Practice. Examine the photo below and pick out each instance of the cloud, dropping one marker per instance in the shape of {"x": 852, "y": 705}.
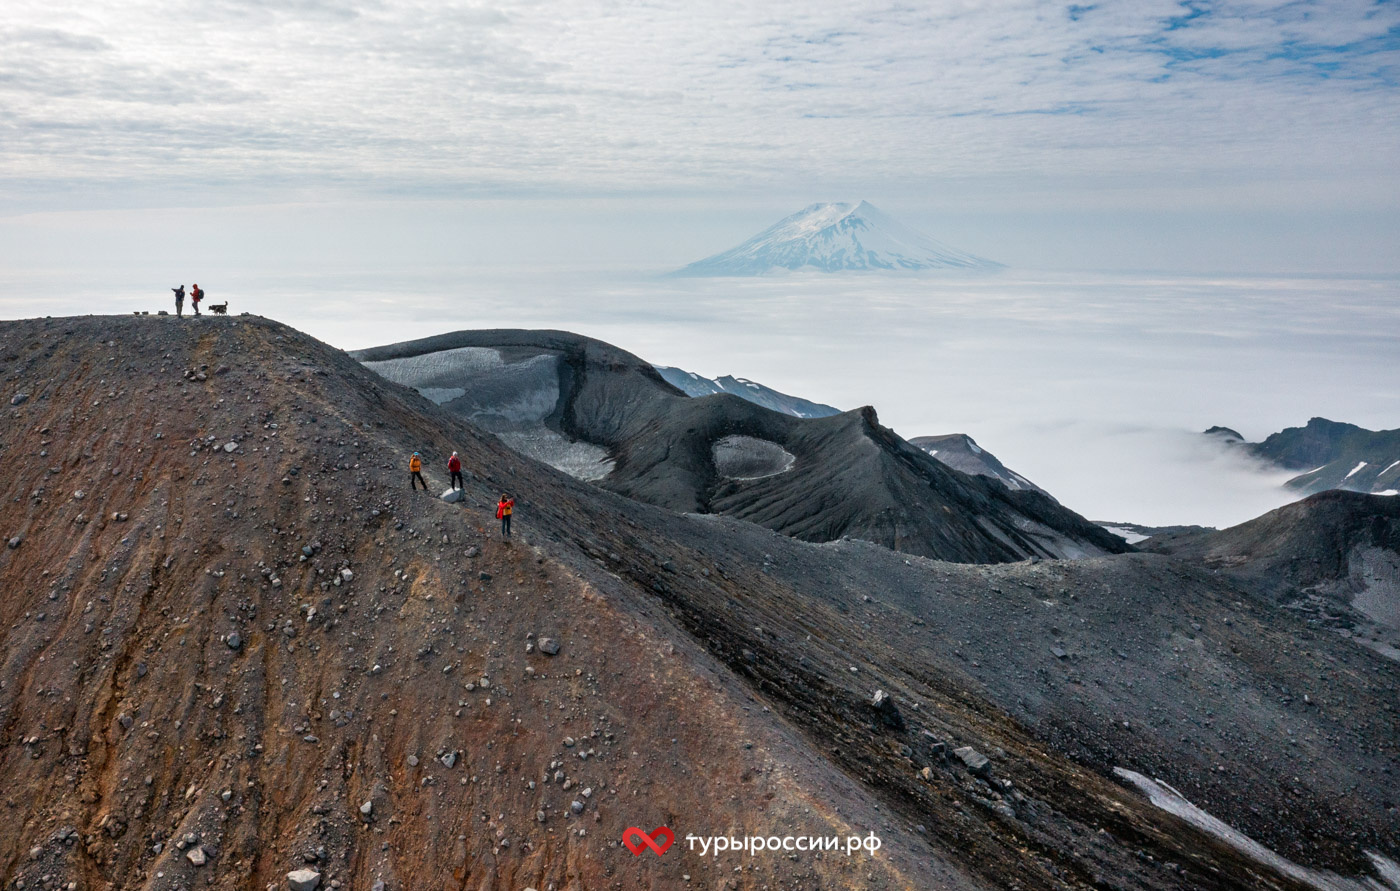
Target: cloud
{"x": 405, "y": 95}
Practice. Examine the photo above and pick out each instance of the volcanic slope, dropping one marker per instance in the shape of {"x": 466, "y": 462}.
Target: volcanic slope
{"x": 1334, "y": 556}
{"x": 403, "y": 725}
{"x": 815, "y": 479}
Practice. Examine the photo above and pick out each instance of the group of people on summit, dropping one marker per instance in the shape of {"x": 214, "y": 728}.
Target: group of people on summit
{"x": 196, "y": 295}
{"x": 504, "y": 508}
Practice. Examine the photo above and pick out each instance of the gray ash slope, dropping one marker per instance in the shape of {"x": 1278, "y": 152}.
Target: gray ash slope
{"x": 830, "y": 478}
{"x": 761, "y": 654}
{"x": 960, "y": 452}
{"x": 1334, "y": 557}
{"x": 1330, "y": 454}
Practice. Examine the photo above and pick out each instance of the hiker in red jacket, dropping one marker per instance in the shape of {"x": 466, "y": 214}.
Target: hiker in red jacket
{"x": 454, "y": 467}
{"x": 196, "y": 295}
{"x": 504, "y": 507}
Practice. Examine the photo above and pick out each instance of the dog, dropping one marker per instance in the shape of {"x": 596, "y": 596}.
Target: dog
{"x": 220, "y": 308}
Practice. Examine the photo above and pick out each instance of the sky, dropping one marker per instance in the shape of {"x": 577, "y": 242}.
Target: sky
{"x": 1215, "y": 136}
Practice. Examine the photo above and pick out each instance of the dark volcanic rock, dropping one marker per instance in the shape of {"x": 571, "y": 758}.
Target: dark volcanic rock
{"x": 842, "y": 476}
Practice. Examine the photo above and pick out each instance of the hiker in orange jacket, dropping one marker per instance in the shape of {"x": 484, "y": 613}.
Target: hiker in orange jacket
{"x": 504, "y": 507}
{"x": 415, "y": 470}
{"x": 454, "y": 467}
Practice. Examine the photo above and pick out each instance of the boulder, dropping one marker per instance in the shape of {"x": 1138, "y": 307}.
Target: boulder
{"x": 974, "y": 760}
{"x": 549, "y": 646}
{"x": 883, "y": 704}
{"x": 304, "y": 880}
{"x": 452, "y": 496}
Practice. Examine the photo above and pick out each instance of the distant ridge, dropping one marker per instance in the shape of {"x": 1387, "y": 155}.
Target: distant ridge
{"x": 692, "y": 384}
{"x": 837, "y": 237}
{"x": 1331, "y": 454}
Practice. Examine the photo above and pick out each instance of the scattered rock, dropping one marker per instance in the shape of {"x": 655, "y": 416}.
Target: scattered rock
{"x": 449, "y": 760}
{"x": 196, "y": 855}
{"x": 549, "y": 646}
{"x": 974, "y": 760}
{"x": 230, "y": 446}
{"x": 883, "y": 703}
{"x": 1058, "y": 653}
{"x": 304, "y": 880}
{"x": 15, "y": 542}
{"x": 367, "y": 809}
{"x": 234, "y": 640}
{"x": 576, "y": 806}
{"x": 19, "y": 398}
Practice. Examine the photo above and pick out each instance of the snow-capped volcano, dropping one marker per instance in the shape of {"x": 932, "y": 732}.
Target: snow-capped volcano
{"x": 837, "y": 237}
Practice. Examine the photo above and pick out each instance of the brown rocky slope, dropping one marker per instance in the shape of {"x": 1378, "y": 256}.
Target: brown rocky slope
{"x": 178, "y": 684}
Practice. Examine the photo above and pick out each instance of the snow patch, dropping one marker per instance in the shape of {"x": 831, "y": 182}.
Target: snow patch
{"x": 581, "y": 460}
{"x": 442, "y": 394}
{"x": 1354, "y": 470}
{"x": 1173, "y": 802}
{"x": 1127, "y": 535}
{"x": 750, "y": 458}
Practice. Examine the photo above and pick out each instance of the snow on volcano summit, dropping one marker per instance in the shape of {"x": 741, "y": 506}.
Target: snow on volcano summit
{"x": 837, "y": 237}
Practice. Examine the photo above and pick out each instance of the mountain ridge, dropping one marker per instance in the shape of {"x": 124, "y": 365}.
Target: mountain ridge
{"x": 1331, "y": 454}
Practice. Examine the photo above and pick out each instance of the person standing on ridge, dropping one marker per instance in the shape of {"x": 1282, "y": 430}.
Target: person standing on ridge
{"x": 196, "y": 295}
{"x": 454, "y": 467}
{"x": 415, "y": 470}
{"x": 179, "y": 300}
{"x": 503, "y": 511}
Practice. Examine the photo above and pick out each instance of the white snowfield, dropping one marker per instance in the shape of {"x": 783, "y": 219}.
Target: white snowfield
{"x": 1354, "y": 470}
{"x": 837, "y": 237}
{"x": 1168, "y": 799}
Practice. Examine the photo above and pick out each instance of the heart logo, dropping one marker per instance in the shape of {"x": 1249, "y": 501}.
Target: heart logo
{"x": 637, "y": 841}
